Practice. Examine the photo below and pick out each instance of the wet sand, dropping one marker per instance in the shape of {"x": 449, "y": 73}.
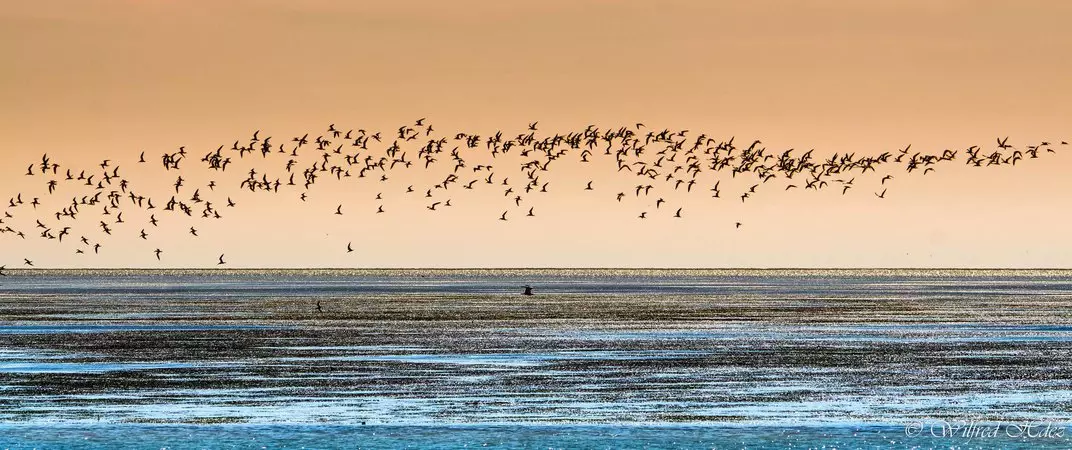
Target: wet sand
{"x": 768, "y": 349}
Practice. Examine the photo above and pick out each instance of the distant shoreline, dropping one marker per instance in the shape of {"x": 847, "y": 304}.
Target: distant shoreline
{"x": 543, "y": 271}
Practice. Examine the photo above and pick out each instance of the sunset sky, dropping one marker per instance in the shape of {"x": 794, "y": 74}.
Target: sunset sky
{"x": 90, "y": 80}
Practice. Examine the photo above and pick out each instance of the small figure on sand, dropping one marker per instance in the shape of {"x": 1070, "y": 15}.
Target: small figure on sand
{"x": 318, "y": 309}
{"x": 528, "y": 290}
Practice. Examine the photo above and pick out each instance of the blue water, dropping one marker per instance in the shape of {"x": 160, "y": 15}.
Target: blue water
{"x": 514, "y": 437}
{"x": 597, "y": 359}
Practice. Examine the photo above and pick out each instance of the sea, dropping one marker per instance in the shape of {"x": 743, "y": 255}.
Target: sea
{"x": 599, "y": 359}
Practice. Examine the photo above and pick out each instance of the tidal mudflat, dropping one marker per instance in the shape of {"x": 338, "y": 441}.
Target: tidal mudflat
{"x": 656, "y": 358}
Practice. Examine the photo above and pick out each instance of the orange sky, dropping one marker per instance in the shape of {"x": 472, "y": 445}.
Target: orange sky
{"x": 88, "y": 80}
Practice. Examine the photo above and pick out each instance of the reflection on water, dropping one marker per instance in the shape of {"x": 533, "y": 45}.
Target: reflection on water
{"x": 826, "y": 351}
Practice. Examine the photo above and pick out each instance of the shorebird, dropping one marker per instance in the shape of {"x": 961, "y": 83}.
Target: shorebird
{"x": 656, "y": 159}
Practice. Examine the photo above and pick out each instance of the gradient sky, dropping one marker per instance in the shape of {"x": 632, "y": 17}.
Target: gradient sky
{"x": 89, "y": 80}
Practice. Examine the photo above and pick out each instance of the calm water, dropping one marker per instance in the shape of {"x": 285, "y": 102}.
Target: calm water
{"x": 597, "y": 359}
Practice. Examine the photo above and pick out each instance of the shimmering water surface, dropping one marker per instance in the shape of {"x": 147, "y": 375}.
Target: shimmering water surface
{"x": 599, "y": 359}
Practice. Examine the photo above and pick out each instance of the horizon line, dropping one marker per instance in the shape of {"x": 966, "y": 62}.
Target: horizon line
{"x": 221, "y": 269}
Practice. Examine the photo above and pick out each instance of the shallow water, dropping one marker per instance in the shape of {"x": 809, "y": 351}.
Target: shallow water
{"x": 644, "y": 354}
{"x": 501, "y": 437}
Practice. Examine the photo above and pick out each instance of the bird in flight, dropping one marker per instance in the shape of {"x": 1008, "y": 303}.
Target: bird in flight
{"x": 649, "y": 159}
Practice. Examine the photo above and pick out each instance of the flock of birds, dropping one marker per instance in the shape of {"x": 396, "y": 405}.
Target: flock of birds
{"x": 657, "y": 163}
